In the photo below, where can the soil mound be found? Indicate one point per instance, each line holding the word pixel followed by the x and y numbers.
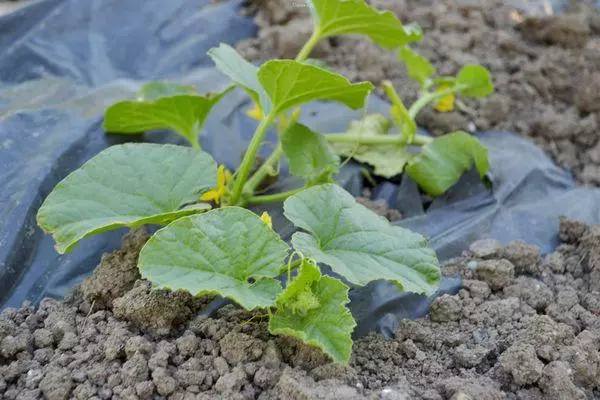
pixel 522 327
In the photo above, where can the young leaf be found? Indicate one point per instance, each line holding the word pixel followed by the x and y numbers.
pixel 182 113
pixel 417 66
pixel 357 243
pixel 477 81
pixel 290 83
pixel 387 159
pixel 309 154
pixel 442 162
pixel 245 74
pixel 312 308
pixel 346 17
pixel 228 251
pixel 126 185
pixel 155 90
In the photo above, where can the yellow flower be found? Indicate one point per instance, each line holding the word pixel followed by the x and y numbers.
pixel 446 103
pixel 256 112
pixel 267 219
pixel 223 177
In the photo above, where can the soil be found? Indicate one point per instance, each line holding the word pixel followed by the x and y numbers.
pixel 546 68
pixel 523 327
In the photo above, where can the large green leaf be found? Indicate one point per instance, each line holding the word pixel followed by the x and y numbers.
pixel 477 81
pixel 245 74
pixel 417 66
pixel 309 154
pixel 344 17
pixel 387 159
pixel 229 251
pixel 182 113
pixel 442 162
pixel 357 243
pixel 312 308
pixel 127 185
pixel 290 83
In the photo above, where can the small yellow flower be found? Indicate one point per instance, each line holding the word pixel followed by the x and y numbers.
pixel 446 103
pixel 256 112
pixel 223 177
pixel 267 219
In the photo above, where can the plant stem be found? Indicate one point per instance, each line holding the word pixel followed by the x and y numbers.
pixel 309 46
pixel 270 198
pixel 196 145
pixel 249 156
pixel 264 170
pixel 431 96
pixel 419 140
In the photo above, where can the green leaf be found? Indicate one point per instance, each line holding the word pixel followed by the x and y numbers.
pixel 312 308
pixel 156 90
pixel 318 63
pixel 387 159
pixel 228 251
pixel 346 17
pixel 309 154
pixel 442 162
pixel 182 113
pixel 289 83
pixel 477 81
pixel 417 66
pixel 245 74
pixel 357 243
pixel 127 185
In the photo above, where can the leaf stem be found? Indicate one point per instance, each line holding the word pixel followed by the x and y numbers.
pixel 428 97
pixel 270 198
pixel 264 170
pixel 309 46
pixel 196 144
pixel 419 140
pixel 249 156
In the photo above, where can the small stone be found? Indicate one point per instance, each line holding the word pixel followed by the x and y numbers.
pixel 485 248
pixel 521 362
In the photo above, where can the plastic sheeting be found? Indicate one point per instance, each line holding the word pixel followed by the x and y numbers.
pixel 62 62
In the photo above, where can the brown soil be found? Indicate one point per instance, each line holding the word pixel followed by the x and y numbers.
pixel 546 68
pixel 522 327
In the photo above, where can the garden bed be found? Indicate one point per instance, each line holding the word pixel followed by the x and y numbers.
pixel 546 68
pixel 522 327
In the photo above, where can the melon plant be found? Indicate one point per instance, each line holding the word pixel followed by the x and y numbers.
pixel 210 243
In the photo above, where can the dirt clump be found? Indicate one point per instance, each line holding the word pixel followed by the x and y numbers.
pixel 546 68
pixel 524 329
pixel 117 271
